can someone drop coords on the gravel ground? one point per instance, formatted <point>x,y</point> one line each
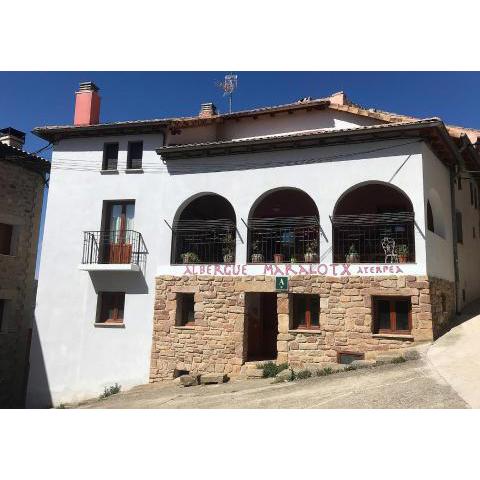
<point>413,384</point>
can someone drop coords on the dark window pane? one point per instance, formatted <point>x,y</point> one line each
<point>110,156</point>
<point>383,315</point>
<point>430,224</point>
<point>347,358</point>
<point>2,312</point>
<point>401,310</point>
<point>135,153</point>
<point>5,238</point>
<point>112,306</point>
<point>186,304</point>
<point>315,310</point>
<point>299,309</point>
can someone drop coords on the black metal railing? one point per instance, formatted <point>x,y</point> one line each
<point>114,247</point>
<point>203,241</point>
<point>374,238</point>
<point>283,240</point>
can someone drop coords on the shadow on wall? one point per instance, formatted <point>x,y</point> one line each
<point>38,390</point>
<point>203,164</point>
<point>129,282</point>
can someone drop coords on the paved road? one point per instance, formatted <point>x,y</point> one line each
<point>413,384</point>
<point>456,356</point>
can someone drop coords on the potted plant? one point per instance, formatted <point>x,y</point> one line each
<point>311,255</point>
<point>229,248</point>
<point>402,252</point>
<point>352,256</point>
<point>190,257</point>
<point>293,259</point>
<point>257,257</point>
<point>278,257</point>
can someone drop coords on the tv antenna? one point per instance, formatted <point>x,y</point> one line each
<point>228,86</point>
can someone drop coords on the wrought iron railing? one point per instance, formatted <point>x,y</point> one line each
<point>203,241</point>
<point>283,240</point>
<point>114,247</point>
<point>374,238</point>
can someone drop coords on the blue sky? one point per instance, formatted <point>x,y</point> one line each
<point>30,99</point>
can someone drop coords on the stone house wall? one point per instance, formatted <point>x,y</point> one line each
<point>21,194</point>
<point>217,342</point>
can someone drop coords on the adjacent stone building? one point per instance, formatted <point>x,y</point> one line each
<point>22,183</point>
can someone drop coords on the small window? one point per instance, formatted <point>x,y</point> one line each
<point>2,314</point>
<point>6,232</point>
<point>345,358</point>
<point>464,295</point>
<point>111,307</point>
<point>185,309</point>
<point>306,311</point>
<point>459,227</point>
<point>392,315</point>
<point>430,224</point>
<point>110,156</point>
<point>135,154</point>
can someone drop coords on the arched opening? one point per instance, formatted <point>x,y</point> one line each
<point>283,227</point>
<point>435,214</point>
<point>204,231</point>
<point>430,222</point>
<point>373,223</point>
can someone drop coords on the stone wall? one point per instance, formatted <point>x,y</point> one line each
<point>442,299</point>
<point>216,341</point>
<point>21,194</point>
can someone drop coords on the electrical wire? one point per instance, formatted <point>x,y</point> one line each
<point>193,166</point>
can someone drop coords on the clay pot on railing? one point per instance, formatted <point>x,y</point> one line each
<point>278,257</point>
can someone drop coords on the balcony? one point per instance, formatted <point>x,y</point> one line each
<point>374,238</point>
<point>114,250</point>
<point>283,240</point>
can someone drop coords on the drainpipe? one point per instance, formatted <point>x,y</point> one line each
<point>454,233</point>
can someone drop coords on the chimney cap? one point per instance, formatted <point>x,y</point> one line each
<point>207,110</point>
<point>88,86</point>
<point>12,132</point>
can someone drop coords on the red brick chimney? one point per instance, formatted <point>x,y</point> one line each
<point>87,105</point>
<point>207,110</point>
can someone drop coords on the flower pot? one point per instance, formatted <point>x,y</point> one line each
<point>352,258</point>
<point>310,257</point>
<point>278,257</point>
<point>402,258</point>
<point>257,258</point>
<point>228,258</point>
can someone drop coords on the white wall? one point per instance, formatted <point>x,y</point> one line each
<point>74,360</point>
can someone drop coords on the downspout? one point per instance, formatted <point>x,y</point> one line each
<point>454,234</point>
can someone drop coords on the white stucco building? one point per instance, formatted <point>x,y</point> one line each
<point>163,239</point>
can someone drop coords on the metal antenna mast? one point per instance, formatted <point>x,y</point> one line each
<point>228,86</point>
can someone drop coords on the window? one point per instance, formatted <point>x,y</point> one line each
<point>111,307</point>
<point>306,311</point>
<point>5,238</point>
<point>110,156</point>
<point>430,224</point>
<point>392,315</point>
<point>135,153</point>
<point>345,358</point>
<point>459,227</point>
<point>2,315</point>
<point>185,309</point>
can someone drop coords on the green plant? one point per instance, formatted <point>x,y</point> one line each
<point>228,244</point>
<point>256,246</point>
<point>325,371</point>
<point>312,246</point>
<point>108,391</point>
<point>303,374</point>
<point>271,369</point>
<point>402,249</point>
<point>349,368</point>
<point>293,260</point>
<point>399,360</point>
<point>190,257</point>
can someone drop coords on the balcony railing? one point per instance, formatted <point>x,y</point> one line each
<point>203,241</point>
<point>114,247</point>
<point>283,240</point>
<point>374,238</point>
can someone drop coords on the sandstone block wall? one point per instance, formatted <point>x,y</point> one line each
<point>21,194</point>
<point>216,343</point>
